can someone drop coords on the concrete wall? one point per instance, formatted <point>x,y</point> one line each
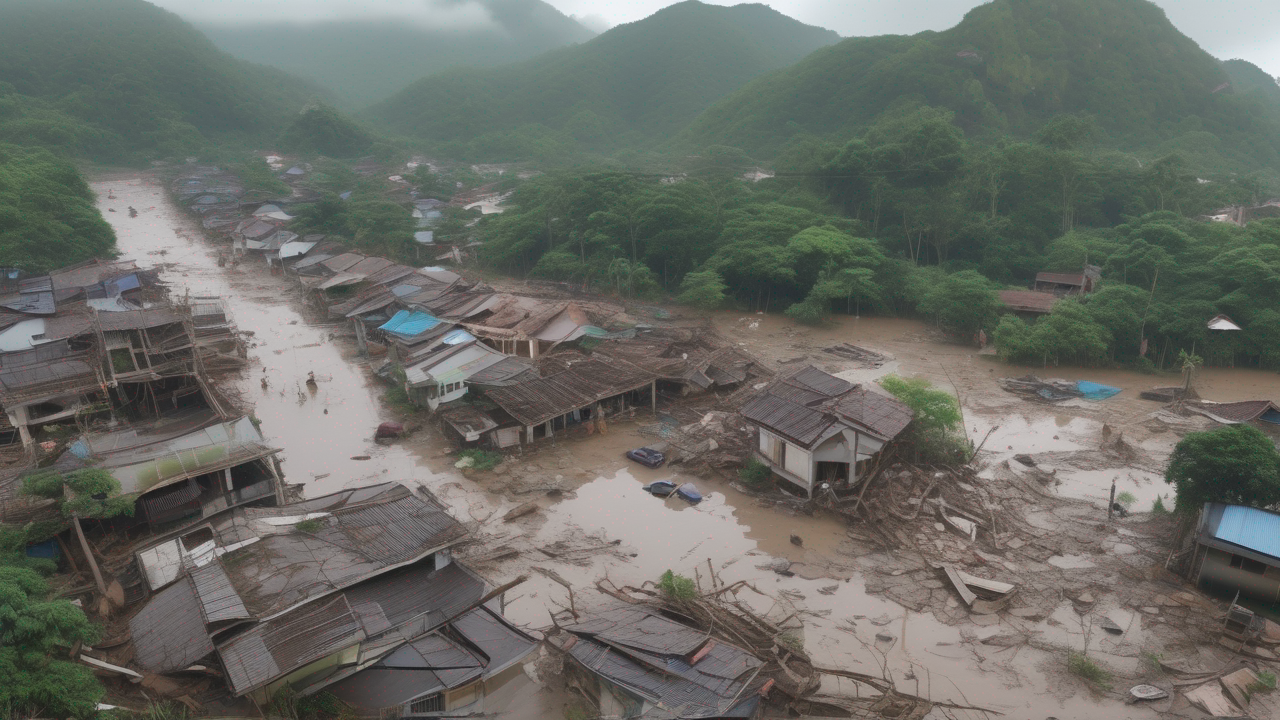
<point>1216,574</point>
<point>799,463</point>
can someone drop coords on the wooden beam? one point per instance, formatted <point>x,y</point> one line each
<point>88,554</point>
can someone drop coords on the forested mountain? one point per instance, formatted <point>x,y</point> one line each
<point>636,83</point>
<point>364,61</point>
<point>120,80</point>
<point>1249,78</point>
<point>1006,67</point>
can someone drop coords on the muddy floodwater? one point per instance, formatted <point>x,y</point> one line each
<point>589,494</point>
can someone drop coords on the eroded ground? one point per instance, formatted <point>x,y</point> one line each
<point>1046,527</point>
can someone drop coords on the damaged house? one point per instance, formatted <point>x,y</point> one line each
<point>1238,551</point>
<point>633,663</point>
<point>355,592</point>
<point>815,428</point>
<point>183,466</point>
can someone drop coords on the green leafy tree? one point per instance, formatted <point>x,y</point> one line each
<point>962,302</point>
<point>703,289</point>
<point>1234,464</point>
<point>86,493</point>
<point>35,635</point>
<point>934,409</point>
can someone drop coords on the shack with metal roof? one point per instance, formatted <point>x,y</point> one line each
<point>815,428</point>
<point>634,663</point>
<point>1238,550</point>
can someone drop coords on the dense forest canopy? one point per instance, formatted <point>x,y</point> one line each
<point>1008,67</point>
<point>365,61</point>
<point>122,80</point>
<point>636,84</point>
<point>47,215</point>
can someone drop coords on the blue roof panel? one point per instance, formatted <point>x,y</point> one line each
<point>1250,528</point>
<point>407,323</point>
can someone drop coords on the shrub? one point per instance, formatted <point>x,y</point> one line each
<point>756,475</point>
<point>677,587</point>
<point>1266,682</point>
<point>309,526</point>
<point>1158,508</point>
<point>397,398</point>
<point>1081,666</point>
<point>1126,499</point>
<point>481,459</point>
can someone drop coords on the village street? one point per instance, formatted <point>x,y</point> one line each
<point>594,520</point>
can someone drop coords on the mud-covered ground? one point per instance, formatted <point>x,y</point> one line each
<point>1047,528</point>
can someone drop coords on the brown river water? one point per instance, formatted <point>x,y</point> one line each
<point>601,493</point>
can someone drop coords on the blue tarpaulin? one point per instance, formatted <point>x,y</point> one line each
<point>1094,391</point>
<point>47,549</point>
<point>407,323</point>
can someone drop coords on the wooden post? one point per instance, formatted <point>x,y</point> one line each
<point>88,554</point>
<point>1111,504</point>
<point>230,485</point>
<point>71,560</point>
<point>854,474</point>
<point>653,394</point>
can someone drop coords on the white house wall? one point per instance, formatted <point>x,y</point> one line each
<point>799,462</point>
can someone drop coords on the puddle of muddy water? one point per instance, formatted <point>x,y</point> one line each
<point>739,536</point>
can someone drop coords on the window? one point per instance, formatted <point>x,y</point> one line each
<point>431,703</point>
<point>1248,565</point>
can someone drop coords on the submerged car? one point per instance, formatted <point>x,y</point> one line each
<point>661,488</point>
<point>689,492</point>
<point>647,456</point>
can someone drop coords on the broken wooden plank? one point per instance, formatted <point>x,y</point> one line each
<point>1209,698</point>
<point>992,586</point>
<point>108,667</point>
<point>1237,685</point>
<point>520,511</point>
<point>958,583</point>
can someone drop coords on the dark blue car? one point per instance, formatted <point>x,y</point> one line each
<point>647,456</point>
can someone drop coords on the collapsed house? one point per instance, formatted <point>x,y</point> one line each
<point>632,662</point>
<point>814,428</point>
<point>356,592</point>
<point>182,467</point>
<point>102,337</point>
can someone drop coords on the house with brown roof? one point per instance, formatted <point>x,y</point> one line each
<point>1080,283</point>
<point>815,428</point>
<point>356,591</point>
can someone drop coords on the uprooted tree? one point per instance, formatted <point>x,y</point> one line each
<point>1234,464</point>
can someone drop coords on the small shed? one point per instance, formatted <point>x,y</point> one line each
<point>1238,550</point>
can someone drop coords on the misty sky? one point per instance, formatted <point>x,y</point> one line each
<point>1248,29</point>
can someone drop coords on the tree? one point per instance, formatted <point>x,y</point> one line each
<point>934,409</point>
<point>703,289</point>
<point>86,493</point>
<point>1234,464</point>
<point>35,633</point>
<point>937,417</point>
<point>962,303</point>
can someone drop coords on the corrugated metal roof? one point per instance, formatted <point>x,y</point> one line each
<point>418,590</point>
<point>791,420</point>
<point>720,681</point>
<point>169,632</point>
<point>883,416</point>
<point>219,601</point>
<point>1250,528</point>
<point>138,319</point>
<point>408,323</point>
<point>278,647</point>
<point>536,401</point>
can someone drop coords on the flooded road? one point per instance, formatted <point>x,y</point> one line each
<point>594,494</point>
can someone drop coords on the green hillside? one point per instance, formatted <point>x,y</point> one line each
<point>120,80</point>
<point>362,62</point>
<point>636,83</point>
<point>1007,67</point>
<point>1250,79</point>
